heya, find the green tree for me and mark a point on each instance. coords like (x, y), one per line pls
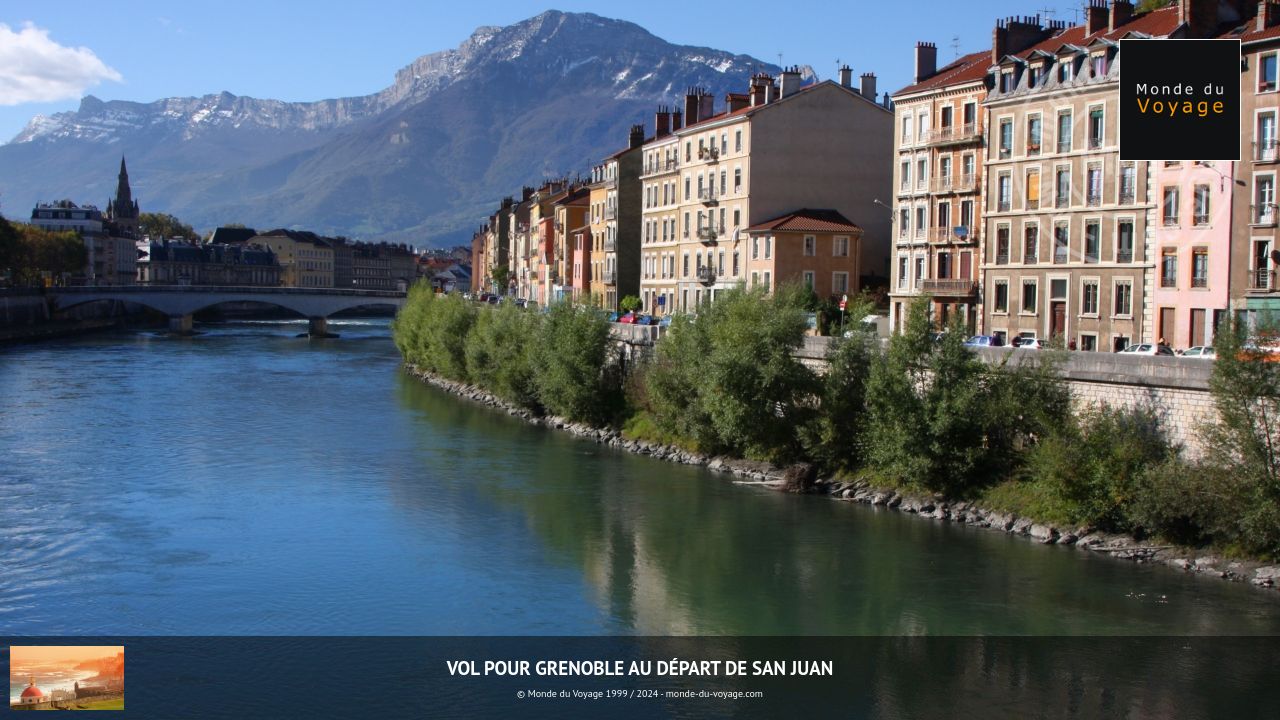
(569, 365)
(446, 322)
(729, 380)
(927, 403)
(501, 276)
(836, 437)
(630, 303)
(163, 225)
(499, 353)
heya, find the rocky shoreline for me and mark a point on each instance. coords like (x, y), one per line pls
(801, 478)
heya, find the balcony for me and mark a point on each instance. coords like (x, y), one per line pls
(1003, 205)
(610, 212)
(953, 135)
(1261, 280)
(610, 244)
(709, 233)
(1061, 201)
(609, 277)
(1032, 203)
(1060, 256)
(1030, 256)
(1199, 219)
(1002, 258)
(1124, 255)
(1263, 214)
(1005, 153)
(706, 274)
(1265, 152)
(1064, 146)
(710, 154)
(1126, 196)
(1095, 143)
(1093, 200)
(951, 288)
(1199, 281)
(1033, 149)
(708, 196)
(948, 235)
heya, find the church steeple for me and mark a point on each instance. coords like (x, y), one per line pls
(123, 209)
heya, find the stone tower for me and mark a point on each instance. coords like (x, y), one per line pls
(123, 210)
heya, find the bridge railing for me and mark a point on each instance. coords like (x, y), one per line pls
(236, 289)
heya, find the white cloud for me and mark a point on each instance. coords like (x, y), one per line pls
(34, 68)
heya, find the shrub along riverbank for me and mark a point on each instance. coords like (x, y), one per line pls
(922, 416)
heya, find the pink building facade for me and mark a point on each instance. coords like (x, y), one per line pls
(1191, 250)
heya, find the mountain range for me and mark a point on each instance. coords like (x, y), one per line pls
(421, 161)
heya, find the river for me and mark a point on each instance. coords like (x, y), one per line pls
(249, 482)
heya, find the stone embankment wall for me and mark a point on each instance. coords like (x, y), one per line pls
(1175, 388)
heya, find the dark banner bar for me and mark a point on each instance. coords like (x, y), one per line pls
(648, 677)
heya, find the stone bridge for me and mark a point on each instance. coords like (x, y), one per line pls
(180, 302)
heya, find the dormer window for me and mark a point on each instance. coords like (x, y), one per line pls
(1033, 77)
(1006, 81)
(1064, 70)
(1099, 62)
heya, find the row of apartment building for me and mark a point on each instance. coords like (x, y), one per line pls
(780, 183)
(1015, 212)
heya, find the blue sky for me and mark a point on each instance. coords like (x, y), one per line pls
(51, 54)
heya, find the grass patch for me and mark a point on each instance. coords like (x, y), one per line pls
(642, 427)
(1025, 498)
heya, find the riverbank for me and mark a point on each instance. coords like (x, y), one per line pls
(935, 507)
(54, 329)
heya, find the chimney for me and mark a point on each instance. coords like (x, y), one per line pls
(926, 60)
(846, 76)
(759, 82)
(636, 139)
(1121, 11)
(691, 106)
(526, 193)
(1200, 17)
(1268, 14)
(1095, 16)
(1015, 34)
(868, 88)
(790, 81)
(735, 101)
(706, 104)
(662, 122)
(677, 120)
(770, 92)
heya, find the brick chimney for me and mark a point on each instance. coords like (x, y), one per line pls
(926, 60)
(1200, 17)
(677, 120)
(789, 81)
(706, 104)
(692, 105)
(1268, 15)
(736, 101)
(868, 87)
(636, 138)
(1095, 16)
(662, 122)
(1121, 11)
(1015, 34)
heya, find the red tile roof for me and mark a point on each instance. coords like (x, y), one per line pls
(807, 220)
(966, 69)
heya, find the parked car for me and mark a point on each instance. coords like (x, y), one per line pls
(628, 319)
(664, 321)
(1148, 349)
(494, 299)
(1205, 352)
(984, 341)
(645, 320)
(1028, 343)
(614, 317)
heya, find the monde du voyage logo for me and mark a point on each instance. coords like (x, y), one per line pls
(1180, 100)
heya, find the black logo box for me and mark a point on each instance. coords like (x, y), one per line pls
(1190, 65)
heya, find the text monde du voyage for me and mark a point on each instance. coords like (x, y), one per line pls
(620, 668)
(1179, 99)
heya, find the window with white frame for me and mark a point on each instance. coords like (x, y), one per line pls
(840, 246)
(810, 245)
(1123, 294)
(839, 283)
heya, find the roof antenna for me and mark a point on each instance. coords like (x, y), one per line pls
(955, 45)
(780, 59)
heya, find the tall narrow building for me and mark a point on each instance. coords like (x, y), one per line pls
(123, 210)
